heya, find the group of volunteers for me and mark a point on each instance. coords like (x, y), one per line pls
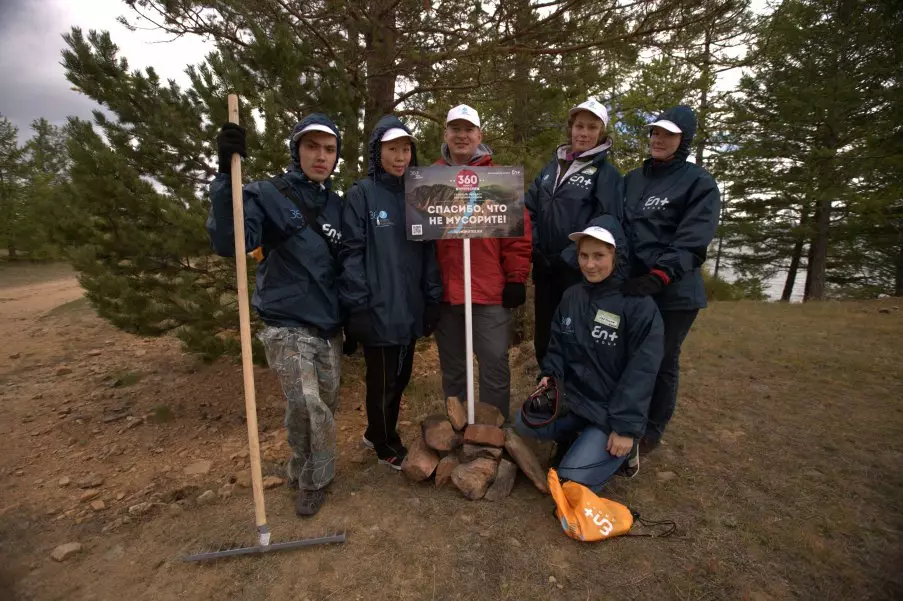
(616, 269)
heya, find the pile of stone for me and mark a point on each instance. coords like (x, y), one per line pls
(480, 459)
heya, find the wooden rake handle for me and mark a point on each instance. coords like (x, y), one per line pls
(244, 317)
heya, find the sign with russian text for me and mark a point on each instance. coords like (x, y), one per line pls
(447, 201)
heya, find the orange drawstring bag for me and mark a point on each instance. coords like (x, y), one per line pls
(585, 516)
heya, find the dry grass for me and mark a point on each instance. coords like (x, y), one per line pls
(786, 444)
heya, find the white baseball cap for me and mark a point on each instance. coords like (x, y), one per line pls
(596, 108)
(313, 127)
(668, 125)
(395, 133)
(462, 111)
(594, 231)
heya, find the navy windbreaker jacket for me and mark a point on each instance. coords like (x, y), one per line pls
(296, 281)
(383, 272)
(591, 189)
(606, 348)
(671, 212)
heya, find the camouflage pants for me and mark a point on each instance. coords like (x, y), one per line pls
(308, 369)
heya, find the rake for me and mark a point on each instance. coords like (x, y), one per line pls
(244, 315)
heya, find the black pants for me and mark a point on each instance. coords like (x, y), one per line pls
(388, 374)
(548, 290)
(664, 396)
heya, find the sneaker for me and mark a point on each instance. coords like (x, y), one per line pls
(366, 442)
(394, 461)
(631, 467)
(308, 502)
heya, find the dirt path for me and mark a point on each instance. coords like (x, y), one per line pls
(772, 498)
(19, 303)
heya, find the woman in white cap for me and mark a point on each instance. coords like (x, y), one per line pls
(604, 352)
(390, 286)
(671, 212)
(576, 186)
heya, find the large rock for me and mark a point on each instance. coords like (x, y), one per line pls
(526, 459)
(481, 434)
(484, 413)
(474, 478)
(64, 552)
(445, 468)
(198, 468)
(439, 434)
(469, 452)
(503, 483)
(92, 480)
(421, 461)
(457, 413)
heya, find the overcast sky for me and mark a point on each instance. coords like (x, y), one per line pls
(32, 81)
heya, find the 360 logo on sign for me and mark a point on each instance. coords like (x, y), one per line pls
(467, 180)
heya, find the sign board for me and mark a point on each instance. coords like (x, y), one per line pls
(444, 201)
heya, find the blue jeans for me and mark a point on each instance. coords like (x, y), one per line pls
(586, 461)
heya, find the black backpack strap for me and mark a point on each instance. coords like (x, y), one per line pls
(310, 217)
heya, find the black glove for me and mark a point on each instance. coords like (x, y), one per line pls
(645, 285)
(430, 319)
(231, 139)
(514, 295)
(359, 328)
(349, 346)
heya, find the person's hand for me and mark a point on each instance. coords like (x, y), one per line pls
(430, 319)
(231, 139)
(645, 285)
(514, 294)
(619, 445)
(360, 327)
(545, 382)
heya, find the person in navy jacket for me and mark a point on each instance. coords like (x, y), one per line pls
(576, 186)
(603, 355)
(390, 286)
(671, 211)
(296, 294)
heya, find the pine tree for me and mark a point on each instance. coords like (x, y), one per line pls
(803, 126)
(11, 172)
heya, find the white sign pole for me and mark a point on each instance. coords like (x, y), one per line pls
(468, 330)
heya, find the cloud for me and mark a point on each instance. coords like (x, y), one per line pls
(34, 82)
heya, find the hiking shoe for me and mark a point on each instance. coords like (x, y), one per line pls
(395, 461)
(308, 502)
(366, 442)
(631, 466)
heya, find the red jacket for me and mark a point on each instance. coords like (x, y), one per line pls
(493, 261)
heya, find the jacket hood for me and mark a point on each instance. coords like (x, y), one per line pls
(313, 119)
(593, 154)
(685, 118)
(482, 155)
(621, 271)
(375, 168)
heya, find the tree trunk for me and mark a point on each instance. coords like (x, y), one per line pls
(380, 52)
(353, 140)
(702, 138)
(11, 250)
(819, 250)
(795, 257)
(898, 280)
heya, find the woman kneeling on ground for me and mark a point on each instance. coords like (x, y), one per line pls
(604, 352)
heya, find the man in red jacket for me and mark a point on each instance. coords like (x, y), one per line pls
(499, 268)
